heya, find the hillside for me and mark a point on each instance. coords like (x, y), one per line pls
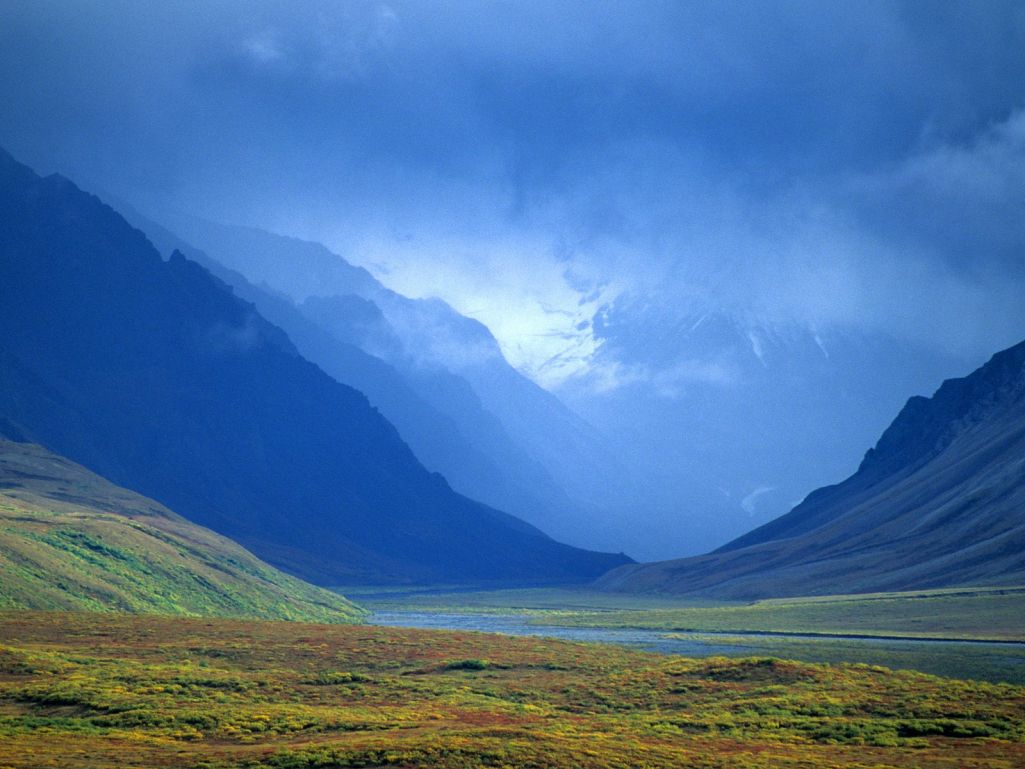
(939, 501)
(70, 540)
(152, 374)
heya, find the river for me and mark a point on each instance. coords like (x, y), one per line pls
(963, 659)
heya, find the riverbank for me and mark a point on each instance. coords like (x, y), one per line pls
(999, 662)
(990, 614)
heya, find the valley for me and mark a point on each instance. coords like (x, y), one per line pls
(512, 385)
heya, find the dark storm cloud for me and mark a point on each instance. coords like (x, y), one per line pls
(539, 83)
(821, 155)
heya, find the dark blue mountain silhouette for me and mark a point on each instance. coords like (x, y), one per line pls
(560, 473)
(152, 374)
(474, 455)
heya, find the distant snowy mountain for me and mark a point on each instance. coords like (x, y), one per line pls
(731, 420)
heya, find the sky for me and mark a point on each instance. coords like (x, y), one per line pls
(667, 202)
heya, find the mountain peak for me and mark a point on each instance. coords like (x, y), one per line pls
(926, 426)
(12, 172)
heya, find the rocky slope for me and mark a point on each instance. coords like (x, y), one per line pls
(939, 501)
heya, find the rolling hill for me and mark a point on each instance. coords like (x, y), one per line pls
(70, 540)
(154, 375)
(939, 501)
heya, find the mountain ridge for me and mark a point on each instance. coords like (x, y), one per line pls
(937, 502)
(440, 443)
(454, 363)
(160, 379)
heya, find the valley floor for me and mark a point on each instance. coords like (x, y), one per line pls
(976, 633)
(101, 690)
(973, 614)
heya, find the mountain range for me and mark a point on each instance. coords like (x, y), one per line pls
(939, 501)
(506, 440)
(153, 374)
(265, 388)
(458, 439)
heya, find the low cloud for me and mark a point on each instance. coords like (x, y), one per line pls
(540, 312)
(750, 502)
(930, 250)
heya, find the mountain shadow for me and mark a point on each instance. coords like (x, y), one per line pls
(474, 455)
(559, 472)
(154, 375)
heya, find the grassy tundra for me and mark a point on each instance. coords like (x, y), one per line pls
(97, 691)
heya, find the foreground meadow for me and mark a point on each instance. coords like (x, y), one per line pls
(93, 690)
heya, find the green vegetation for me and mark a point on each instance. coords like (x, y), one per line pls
(85, 690)
(968, 613)
(70, 540)
(998, 663)
(981, 613)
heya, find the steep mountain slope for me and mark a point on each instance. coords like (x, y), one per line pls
(71, 540)
(454, 363)
(154, 375)
(939, 501)
(460, 452)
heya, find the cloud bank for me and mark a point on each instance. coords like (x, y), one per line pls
(532, 162)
